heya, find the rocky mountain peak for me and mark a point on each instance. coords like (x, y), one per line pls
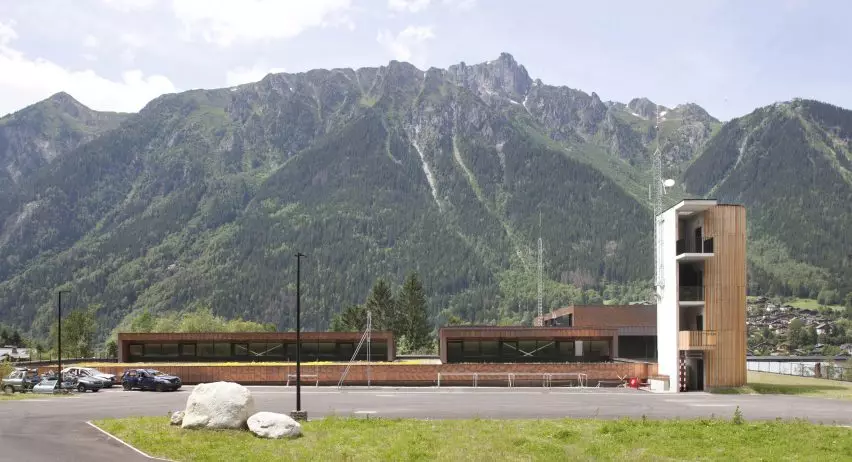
(694, 112)
(503, 76)
(645, 108)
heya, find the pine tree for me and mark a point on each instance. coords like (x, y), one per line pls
(351, 319)
(382, 306)
(414, 325)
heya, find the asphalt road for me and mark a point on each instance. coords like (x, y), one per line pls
(51, 429)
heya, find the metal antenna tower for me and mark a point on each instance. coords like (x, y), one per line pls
(657, 191)
(540, 318)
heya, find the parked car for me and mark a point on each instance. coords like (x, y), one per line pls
(85, 383)
(49, 386)
(72, 382)
(108, 379)
(149, 379)
(21, 380)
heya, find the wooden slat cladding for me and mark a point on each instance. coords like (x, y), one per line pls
(725, 292)
(697, 339)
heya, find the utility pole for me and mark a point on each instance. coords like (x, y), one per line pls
(299, 414)
(59, 336)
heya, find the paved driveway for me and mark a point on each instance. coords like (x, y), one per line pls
(53, 429)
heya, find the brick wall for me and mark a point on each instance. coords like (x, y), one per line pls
(395, 374)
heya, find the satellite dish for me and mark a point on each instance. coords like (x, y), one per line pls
(669, 183)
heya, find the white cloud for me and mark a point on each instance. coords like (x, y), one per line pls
(412, 6)
(225, 22)
(90, 41)
(25, 80)
(461, 4)
(130, 5)
(409, 45)
(133, 40)
(243, 75)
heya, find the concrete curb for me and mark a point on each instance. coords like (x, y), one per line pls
(110, 435)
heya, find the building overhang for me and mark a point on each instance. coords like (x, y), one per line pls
(688, 207)
(692, 257)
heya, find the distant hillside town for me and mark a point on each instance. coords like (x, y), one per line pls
(779, 329)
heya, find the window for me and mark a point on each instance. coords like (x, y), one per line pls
(205, 350)
(170, 349)
(489, 348)
(221, 349)
(241, 349)
(153, 349)
(326, 350)
(258, 349)
(599, 347)
(346, 350)
(378, 351)
(566, 350)
(471, 348)
(187, 349)
(135, 350)
(454, 351)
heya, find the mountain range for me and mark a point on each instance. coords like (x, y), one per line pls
(203, 197)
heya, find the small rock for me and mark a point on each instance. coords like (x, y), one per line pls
(176, 418)
(218, 405)
(273, 425)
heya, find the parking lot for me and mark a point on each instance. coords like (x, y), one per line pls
(55, 427)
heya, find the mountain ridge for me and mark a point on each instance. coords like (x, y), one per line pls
(202, 196)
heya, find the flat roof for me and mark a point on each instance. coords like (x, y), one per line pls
(522, 332)
(246, 336)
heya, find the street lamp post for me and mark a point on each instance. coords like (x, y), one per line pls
(299, 414)
(59, 335)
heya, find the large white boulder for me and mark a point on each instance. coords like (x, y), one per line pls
(218, 405)
(273, 425)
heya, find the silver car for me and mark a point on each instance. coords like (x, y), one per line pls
(108, 380)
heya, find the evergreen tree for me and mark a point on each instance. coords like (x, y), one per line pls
(382, 306)
(413, 324)
(351, 319)
(848, 312)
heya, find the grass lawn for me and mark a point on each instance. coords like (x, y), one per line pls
(23, 396)
(764, 383)
(342, 439)
(809, 304)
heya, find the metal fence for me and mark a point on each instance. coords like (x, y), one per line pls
(823, 370)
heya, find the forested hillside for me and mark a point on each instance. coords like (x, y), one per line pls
(791, 165)
(202, 198)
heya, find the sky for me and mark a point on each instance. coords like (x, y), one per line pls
(729, 56)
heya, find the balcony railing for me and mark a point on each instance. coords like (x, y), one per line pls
(691, 293)
(697, 339)
(684, 246)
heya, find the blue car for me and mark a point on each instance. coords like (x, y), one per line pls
(149, 379)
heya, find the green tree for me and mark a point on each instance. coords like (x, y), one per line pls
(382, 306)
(352, 319)
(78, 333)
(848, 311)
(412, 323)
(112, 348)
(454, 320)
(796, 335)
(144, 322)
